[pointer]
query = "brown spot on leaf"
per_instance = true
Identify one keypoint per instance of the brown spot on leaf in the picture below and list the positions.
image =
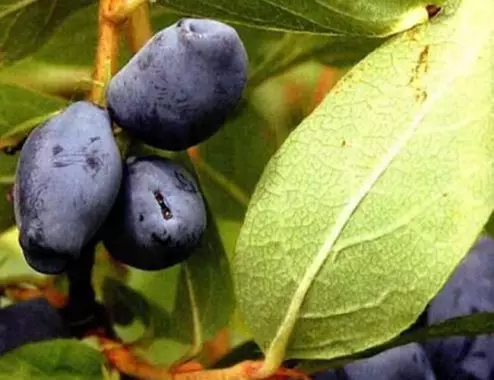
(422, 65)
(343, 143)
(420, 95)
(419, 70)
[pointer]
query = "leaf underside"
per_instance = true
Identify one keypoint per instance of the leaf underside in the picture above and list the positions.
(370, 204)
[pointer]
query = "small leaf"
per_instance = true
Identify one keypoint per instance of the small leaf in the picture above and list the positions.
(19, 105)
(26, 24)
(57, 359)
(47, 78)
(230, 163)
(124, 302)
(328, 17)
(204, 300)
(15, 135)
(470, 325)
(374, 199)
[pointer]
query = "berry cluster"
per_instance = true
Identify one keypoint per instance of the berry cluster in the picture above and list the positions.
(72, 188)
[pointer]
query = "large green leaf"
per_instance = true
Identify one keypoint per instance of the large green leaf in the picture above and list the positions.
(26, 24)
(57, 359)
(370, 204)
(329, 17)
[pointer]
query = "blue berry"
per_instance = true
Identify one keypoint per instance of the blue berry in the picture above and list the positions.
(181, 86)
(29, 321)
(407, 362)
(67, 179)
(159, 217)
(469, 290)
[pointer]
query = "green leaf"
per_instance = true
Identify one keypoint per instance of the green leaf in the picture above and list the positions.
(7, 169)
(76, 37)
(125, 303)
(489, 227)
(20, 105)
(328, 17)
(57, 359)
(228, 230)
(231, 162)
(292, 49)
(48, 78)
(26, 24)
(273, 52)
(68, 74)
(470, 325)
(370, 204)
(163, 351)
(205, 299)
(13, 266)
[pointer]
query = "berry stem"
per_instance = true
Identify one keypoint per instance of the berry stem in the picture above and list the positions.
(217, 347)
(106, 53)
(121, 10)
(139, 29)
(126, 362)
(79, 275)
(82, 312)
